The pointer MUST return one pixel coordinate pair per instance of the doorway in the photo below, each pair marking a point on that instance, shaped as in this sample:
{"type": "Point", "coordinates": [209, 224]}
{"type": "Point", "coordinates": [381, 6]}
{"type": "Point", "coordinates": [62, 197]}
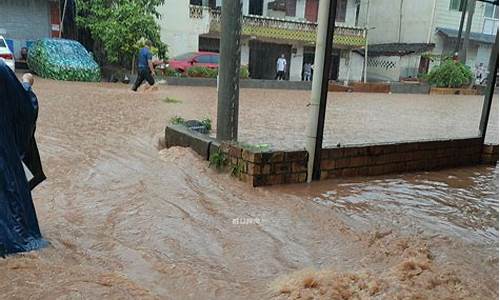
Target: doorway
{"type": "Point", "coordinates": [263, 57]}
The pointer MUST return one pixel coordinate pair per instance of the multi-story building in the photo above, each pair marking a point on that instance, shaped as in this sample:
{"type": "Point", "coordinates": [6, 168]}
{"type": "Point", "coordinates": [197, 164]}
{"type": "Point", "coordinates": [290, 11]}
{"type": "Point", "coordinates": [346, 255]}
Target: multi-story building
{"type": "Point", "coordinates": [408, 37]}
{"type": "Point", "coordinates": [269, 29]}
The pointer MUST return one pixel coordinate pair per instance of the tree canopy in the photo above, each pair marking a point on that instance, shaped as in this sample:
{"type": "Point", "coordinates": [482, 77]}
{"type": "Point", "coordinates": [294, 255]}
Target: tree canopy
{"type": "Point", "coordinates": [119, 25]}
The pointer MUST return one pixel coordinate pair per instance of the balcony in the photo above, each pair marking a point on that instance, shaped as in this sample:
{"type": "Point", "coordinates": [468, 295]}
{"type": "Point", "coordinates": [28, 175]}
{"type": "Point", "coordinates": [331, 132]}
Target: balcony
{"type": "Point", "coordinates": [283, 29]}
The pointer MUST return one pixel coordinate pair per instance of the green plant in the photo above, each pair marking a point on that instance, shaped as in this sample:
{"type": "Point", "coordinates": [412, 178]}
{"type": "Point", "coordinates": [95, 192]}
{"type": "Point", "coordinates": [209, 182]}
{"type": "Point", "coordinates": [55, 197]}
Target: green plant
{"type": "Point", "coordinates": [172, 100]}
{"type": "Point", "coordinates": [218, 160]}
{"type": "Point", "coordinates": [207, 122]}
{"type": "Point", "coordinates": [450, 74]}
{"type": "Point", "coordinates": [256, 148]}
{"type": "Point", "coordinates": [244, 73]}
{"type": "Point", "coordinates": [176, 120]}
{"type": "Point", "coordinates": [237, 169]}
{"type": "Point", "coordinates": [120, 27]}
{"type": "Point", "coordinates": [202, 72]}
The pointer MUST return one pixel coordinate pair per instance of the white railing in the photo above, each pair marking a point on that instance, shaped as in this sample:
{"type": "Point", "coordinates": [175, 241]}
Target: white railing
{"type": "Point", "coordinates": [195, 11]}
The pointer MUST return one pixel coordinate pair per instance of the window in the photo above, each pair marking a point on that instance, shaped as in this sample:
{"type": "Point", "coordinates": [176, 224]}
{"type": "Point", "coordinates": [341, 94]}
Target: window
{"type": "Point", "coordinates": [214, 59]}
{"type": "Point", "coordinates": [341, 10]}
{"type": "Point", "coordinates": [2, 44]}
{"type": "Point", "coordinates": [185, 56]}
{"type": "Point", "coordinates": [491, 11]}
{"type": "Point", "coordinates": [204, 59]}
{"type": "Point", "coordinates": [457, 5]}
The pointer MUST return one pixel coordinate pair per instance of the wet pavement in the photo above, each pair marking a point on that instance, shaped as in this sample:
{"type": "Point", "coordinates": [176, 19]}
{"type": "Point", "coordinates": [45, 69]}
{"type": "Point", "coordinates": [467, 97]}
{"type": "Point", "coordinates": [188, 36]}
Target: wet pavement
{"type": "Point", "coordinates": [126, 220]}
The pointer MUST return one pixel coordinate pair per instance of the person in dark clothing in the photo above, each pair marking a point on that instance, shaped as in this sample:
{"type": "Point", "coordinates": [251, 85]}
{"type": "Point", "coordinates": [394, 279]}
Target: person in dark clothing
{"type": "Point", "coordinates": [145, 67]}
{"type": "Point", "coordinates": [19, 230]}
{"type": "Point", "coordinates": [32, 157]}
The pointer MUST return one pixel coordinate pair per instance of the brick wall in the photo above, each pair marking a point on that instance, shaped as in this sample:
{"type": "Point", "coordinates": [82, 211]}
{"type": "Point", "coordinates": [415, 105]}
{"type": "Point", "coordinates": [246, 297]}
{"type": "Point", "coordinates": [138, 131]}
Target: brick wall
{"type": "Point", "coordinates": [263, 168]}
{"type": "Point", "coordinates": [490, 154]}
{"type": "Point", "coordinates": [369, 160]}
{"type": "Point", "coordinates": [267, 168]}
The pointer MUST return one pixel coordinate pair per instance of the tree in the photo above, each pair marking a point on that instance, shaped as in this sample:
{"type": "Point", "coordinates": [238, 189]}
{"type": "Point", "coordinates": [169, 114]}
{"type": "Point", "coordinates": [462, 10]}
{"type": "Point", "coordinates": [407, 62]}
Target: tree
{"type": "Point", "coordinates": [117, 26]}
{"type": "Point", "coordinates": [450, 74]}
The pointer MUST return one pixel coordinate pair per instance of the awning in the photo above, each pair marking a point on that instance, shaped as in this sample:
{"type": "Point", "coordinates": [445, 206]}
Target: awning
{"type": "Point", "coordinates": [474, 36]}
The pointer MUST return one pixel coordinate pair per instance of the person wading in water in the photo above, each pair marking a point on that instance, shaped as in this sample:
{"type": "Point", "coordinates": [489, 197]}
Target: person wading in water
{"type": "Point", "coordinates": [145, 66]}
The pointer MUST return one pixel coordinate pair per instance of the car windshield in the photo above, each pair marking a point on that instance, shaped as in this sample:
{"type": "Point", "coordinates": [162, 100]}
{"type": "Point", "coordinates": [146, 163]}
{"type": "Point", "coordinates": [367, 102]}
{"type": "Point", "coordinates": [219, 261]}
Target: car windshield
{"type": "Point", "coordinates": [66, 50]}
{"type": "Point", "coordinates": [185, 56]}
{"type": "Point", "coordinates": [2, 43]}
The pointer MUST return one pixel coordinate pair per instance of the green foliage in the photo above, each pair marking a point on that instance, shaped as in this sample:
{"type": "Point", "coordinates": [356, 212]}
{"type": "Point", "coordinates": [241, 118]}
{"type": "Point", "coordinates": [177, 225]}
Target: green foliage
{"type": "Point", "coordinates": [121, 26]}
{"type": "Point", "coordinates": [218, 160]}
{"type": "Point", "coordinates": [176, 120]}
{"type": "Point", "coordinates": [202, 72]}
{"type": "Point", "coordinates": [207, 122]}
{"type": "Point", "coordinates": [255, 148]}
{"type": "Point", "coordinates": [169, 72]}
{"type": "Point", "coordinates": [173, 100]}
{"type": "Point", "coordinates": [450, 74]}
{"type": "Point", "coordinates": [244, 73]}
{"type": "Point", "coordinates": [237, 169]}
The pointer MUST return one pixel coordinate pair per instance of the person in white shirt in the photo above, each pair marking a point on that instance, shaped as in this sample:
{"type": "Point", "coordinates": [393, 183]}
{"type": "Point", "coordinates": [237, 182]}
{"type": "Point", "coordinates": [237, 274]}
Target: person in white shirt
{"type": "Point", "coordinates": [281, 68]}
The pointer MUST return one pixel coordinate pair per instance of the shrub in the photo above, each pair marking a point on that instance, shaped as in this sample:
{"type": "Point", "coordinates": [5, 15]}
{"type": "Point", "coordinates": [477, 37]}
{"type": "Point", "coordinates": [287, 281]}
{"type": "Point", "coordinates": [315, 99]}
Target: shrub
{"type": "Point", "coordinates": [202, 72]}
{"type": "Point", "coordinates": [450, 74]}
{"type": "Point", "coordinates": [244, 73]}
{"type": "Point", "coordinates": [217, 160]}
{"type": "Point", "coordinates": [177, 120]}
{"type": "Point", "coordinates": [207, 123]}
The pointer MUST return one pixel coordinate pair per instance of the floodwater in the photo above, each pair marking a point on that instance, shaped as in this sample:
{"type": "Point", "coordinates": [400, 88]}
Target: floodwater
{"type": "Point", "coordinates": [128, 221]}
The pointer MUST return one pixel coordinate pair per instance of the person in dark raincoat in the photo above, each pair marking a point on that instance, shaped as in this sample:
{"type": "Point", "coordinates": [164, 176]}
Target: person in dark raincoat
{"type": "Point", "coordinates": [19, 230]}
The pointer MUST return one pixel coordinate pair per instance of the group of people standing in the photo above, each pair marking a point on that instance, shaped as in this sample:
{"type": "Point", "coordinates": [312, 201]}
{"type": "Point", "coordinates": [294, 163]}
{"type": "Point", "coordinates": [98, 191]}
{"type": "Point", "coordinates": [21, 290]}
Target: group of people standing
{"type": "Point", "coordinates": [281, 68]}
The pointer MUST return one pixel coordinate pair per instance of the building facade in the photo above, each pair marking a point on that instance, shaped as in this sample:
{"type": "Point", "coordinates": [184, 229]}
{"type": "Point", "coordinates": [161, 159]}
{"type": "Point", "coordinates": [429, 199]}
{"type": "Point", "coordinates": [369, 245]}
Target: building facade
{"type": "Point", "coordinates": [24, 21]}
{"type": "Point", "coordinates": [269, 29]}
{"type": "Point", "coordinates": [410, 37]}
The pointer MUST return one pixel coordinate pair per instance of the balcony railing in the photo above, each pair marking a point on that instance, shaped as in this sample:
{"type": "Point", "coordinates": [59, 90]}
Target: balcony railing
{"type": "Point", "coordinates": [283, 29]}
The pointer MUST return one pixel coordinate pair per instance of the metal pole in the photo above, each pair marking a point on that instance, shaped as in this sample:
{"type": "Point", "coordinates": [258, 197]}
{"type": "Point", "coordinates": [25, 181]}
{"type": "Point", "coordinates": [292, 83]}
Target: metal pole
{"type": "Point", "coordinates": [229, 71]}
{"type": "Point", "coordinates": [62, 19]}
{"type": "Point", "coordinates": [465, 47]}
{"type": "Point", "coordinates": [367, 20]}
{"type": "Point", "coordinates": [322, 62]}
{"type": "Point", "coordinates": [490, 90]}
{"type": "Point", "coordinates": [365, 66]}
{"type": "Point", "coordinates": [463, 6]}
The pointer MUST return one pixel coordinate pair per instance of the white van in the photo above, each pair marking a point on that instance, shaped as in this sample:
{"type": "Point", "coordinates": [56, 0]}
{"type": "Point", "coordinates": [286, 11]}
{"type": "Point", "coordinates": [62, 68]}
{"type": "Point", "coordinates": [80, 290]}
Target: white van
{"type": "Point", "coordinates": [7, 55]}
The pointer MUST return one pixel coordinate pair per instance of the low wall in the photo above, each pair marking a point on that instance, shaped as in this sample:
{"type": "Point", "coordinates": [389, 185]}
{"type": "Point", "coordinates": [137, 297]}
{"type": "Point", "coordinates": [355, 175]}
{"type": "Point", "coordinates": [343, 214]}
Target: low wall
{"type": "Point", "coordinates": [370, 160]}
{"type": "Point", "coordinates": [263, 168]}
{"type": "Point", "coordinates": [409, 88]}
{"type": "Point", "coordinates": [244, 83]}
{"type": "Point", "coordinates": [490, 154]}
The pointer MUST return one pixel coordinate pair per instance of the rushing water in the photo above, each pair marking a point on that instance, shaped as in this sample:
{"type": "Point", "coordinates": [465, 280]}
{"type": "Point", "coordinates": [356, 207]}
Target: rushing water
{"type": "Point", "coordinates": [126, 220]}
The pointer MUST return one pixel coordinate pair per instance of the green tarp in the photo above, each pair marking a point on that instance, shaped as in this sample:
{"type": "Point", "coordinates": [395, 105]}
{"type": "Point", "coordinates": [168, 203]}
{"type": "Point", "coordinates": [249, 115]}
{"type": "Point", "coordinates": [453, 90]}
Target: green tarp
{"type": "Point", "coordinates": [62, 59]}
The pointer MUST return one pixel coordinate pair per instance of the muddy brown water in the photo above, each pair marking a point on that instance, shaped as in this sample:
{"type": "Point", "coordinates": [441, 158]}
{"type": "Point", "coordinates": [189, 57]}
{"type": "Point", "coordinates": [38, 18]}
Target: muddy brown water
{"type": "Point", "coordinates": [127, 221]}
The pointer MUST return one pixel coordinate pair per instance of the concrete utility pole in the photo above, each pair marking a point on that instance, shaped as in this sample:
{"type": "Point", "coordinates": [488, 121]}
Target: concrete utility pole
{"type": "Point", "coordinates": [322, 61]}
{"type": "Point", "coordinates": [229, 71]}
{"type": "Point", "coordinates": [463, 7]}
{"type": "Point", "coordinates": [470, 10]}
{"type": "Point", "coordinates": [490, 90]}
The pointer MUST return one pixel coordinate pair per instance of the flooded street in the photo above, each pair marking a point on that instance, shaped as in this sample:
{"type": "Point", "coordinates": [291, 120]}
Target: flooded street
{"type": "Point", "coordinates": [128, 221]}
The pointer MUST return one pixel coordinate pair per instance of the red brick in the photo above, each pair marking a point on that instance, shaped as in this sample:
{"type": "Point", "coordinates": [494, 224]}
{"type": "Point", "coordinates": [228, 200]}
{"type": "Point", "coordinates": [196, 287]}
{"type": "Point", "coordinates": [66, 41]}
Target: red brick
{"type": "Point", "coordinates": [296, 156]}
{"type": "Point", "coordinates": [376, 170]}
{"type": "Point", "coordinates": [296, 178]}
{"type": "Point", "coordinates": [266, 169]}
{"type": "Point", "coordinates": [375, 150]}
{"type": "Point", "coordinates": [336, 153]}
{"type": "Point", "coordinates": [251, 156]}
{"type": "Point", "coordinates": [275, 179]}
{"type": "Point", "coordinates": [343, 163]}
{"type": "Point", "coordinates": [334, 173]}
{"type": "Point", "coordinates": [281, 168]}
{"type": "Point", "coordinates": [350, 172]}
{"type": "Point", "coordinates": [235, 151]}
{"type": "Point", "coordinates": [277, 157]}
{"type": "Point", "coordinates": [254, 169]}
{"type": "Point", "coordinates": [327, 165]}
{"type": "Point", "coordinates": [359, 161]}
{"type": "Point", "coordinates": [324, 175]}
{"type": "Point", "coordinates": [299, 167]}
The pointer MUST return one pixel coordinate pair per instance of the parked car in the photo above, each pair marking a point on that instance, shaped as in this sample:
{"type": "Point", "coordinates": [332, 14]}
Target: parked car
{"type": "Point", "coordinates": [7, 55]}
{"type": "Point", "coordinates": [185, 61]}
{"type": "Point", "coordinates": [62, 59]}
